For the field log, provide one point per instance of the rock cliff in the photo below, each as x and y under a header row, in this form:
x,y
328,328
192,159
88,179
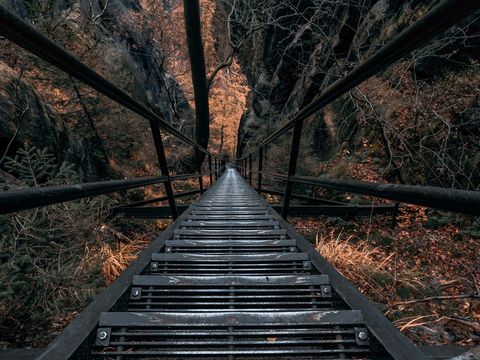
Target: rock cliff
x,y
46,108
294,49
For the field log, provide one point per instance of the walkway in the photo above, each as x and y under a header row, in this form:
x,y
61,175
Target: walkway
x,y
231,283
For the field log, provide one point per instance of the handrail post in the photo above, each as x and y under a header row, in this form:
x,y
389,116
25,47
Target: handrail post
x,y
250,168
216,170
162,162
210,168
260,169
292,166
199,170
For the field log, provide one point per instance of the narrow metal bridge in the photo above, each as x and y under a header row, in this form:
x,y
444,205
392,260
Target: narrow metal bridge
x,y
230,279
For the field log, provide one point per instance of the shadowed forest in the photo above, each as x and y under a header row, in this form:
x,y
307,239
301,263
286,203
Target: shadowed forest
x,y
418,123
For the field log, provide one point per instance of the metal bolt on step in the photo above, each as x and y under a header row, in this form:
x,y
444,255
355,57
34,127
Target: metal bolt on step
x,y
103,337
326,291
362,335
136,293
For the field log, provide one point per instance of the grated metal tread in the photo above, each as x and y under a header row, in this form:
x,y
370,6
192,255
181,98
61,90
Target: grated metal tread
x,y
230,246
230,284
213,224
209,264
329,334
222,233
232,293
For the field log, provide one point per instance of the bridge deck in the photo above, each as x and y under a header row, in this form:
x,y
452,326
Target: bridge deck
x,y
232,282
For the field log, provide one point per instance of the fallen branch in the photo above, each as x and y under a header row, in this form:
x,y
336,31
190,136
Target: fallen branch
x,y
445,297
471,324
413,322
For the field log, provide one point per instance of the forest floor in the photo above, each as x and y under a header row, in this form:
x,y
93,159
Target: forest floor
x,y
424,274
99,248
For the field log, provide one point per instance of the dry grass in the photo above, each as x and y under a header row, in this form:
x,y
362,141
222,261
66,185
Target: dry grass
x,y
424,278
116,259
58,259
374,271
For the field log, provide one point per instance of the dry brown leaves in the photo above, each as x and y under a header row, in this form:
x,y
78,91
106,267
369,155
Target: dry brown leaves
x,y
426,278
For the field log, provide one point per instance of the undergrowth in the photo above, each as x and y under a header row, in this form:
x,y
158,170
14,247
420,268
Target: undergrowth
x,y
372,269
54,259
423,275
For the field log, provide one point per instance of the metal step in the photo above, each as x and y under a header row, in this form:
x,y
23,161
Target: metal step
x,y
228,224
244,335
241,264
229,208
230,217
231,233
229,246
232,293
197,211
227,203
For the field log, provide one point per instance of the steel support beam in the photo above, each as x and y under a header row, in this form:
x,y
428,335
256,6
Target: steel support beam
x,y
162,162
210,169
292,166
158,199
260,169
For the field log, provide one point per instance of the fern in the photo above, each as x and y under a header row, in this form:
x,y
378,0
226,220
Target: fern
x,y
32,165
37,167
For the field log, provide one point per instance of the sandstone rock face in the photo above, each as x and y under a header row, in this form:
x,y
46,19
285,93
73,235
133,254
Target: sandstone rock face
x,y
112,40
25,118
299,48
153,85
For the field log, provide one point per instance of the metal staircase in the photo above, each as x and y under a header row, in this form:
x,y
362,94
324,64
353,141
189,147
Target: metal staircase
x,y
230,278
231,283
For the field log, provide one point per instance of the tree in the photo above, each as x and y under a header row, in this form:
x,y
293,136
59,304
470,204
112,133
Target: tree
x,y
199,77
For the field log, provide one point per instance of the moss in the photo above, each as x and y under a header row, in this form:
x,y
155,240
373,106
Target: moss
x,y
403,291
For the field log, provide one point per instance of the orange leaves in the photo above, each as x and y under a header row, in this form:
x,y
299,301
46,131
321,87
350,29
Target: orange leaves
x,y
432,294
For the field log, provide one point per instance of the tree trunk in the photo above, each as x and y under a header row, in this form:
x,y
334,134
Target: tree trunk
x,y
199,77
